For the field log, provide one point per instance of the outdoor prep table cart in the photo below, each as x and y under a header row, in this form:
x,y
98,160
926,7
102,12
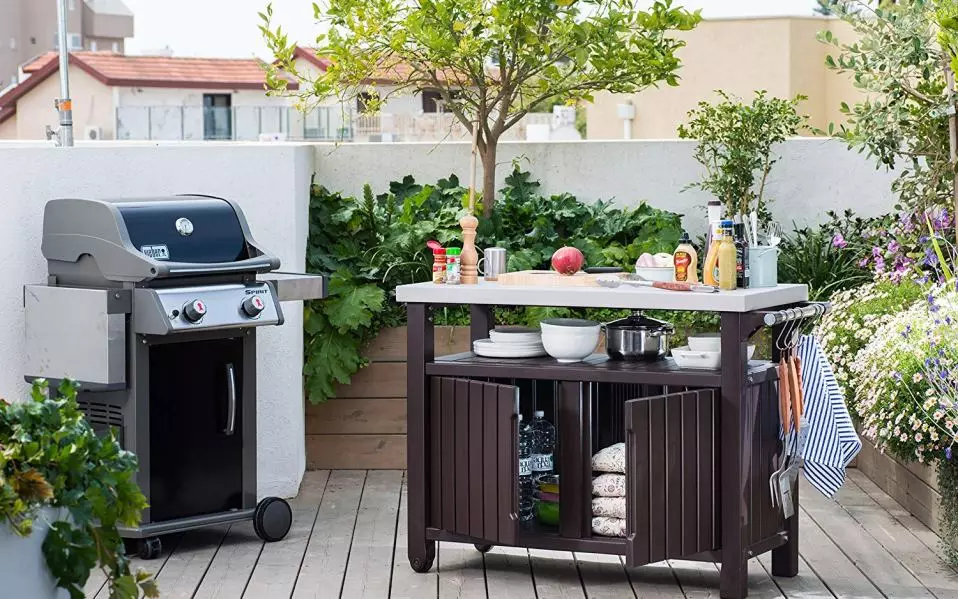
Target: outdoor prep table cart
x,y
700,444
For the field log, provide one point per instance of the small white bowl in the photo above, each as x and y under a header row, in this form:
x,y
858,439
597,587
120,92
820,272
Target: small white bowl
x,y
686,357
706,342
656,273
570,339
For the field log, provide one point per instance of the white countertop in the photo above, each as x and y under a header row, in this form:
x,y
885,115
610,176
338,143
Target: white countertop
x,y
633,298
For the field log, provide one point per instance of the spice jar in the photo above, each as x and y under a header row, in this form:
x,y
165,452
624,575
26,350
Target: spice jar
x,y
438,265
453,271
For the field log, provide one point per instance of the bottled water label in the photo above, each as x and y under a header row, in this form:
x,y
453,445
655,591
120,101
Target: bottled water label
x,y
525,467
542,462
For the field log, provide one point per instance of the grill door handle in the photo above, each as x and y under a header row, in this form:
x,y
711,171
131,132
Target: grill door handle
x,y
230,400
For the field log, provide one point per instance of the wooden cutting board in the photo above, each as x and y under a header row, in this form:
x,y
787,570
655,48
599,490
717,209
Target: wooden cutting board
x,y
548,278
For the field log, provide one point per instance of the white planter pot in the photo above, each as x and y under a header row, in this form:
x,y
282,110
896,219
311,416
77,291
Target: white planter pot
x,y
23,569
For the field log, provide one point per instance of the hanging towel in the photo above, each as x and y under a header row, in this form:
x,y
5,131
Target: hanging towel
x,y
832,442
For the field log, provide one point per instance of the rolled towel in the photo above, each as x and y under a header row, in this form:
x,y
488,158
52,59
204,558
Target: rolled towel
x,y
609,485
610,459
608,527
611,507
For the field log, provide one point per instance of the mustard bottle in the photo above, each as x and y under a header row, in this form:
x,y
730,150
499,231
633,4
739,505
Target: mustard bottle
x,y
710,269
727,259
686,261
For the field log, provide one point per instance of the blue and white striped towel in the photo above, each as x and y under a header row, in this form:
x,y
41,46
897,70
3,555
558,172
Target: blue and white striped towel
x,y
832,442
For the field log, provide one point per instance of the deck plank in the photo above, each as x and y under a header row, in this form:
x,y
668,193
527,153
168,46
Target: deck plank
x,y
406,583
807,585
760,583
370,565
698,580
885,572
830,564
555,574
509,573
233,564
187,564
324,563
153,566
603,576
654,581
923,563
461,572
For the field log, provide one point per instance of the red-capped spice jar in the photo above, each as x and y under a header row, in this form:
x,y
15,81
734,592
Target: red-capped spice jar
x,y
439,265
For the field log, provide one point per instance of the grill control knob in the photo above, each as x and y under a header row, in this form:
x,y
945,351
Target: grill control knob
x,y
253,306
193,311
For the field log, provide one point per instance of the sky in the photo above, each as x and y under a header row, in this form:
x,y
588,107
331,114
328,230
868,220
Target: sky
x,y
228,28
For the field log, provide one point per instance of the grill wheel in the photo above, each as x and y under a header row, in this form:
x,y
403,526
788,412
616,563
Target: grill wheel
x,y
272,519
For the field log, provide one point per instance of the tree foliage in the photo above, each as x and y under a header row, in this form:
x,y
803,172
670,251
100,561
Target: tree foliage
x,y
491,61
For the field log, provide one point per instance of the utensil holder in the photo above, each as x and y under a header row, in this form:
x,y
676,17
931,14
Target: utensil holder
x,y
763,266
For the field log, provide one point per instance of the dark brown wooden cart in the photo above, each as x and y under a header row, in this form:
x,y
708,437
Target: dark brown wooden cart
x,y
701,445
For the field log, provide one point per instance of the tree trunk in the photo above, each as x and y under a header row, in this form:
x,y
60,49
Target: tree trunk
x,y
488,178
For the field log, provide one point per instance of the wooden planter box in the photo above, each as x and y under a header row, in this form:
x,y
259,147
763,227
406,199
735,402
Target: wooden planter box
x,y
365,426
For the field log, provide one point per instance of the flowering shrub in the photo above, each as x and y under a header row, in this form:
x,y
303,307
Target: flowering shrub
x,y
902,246
855,318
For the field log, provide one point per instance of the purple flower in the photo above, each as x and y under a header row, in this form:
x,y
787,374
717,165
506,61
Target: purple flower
x,y
876,252
948,453
839,241
931,259
863,262
893,246
942,220
897,375
879,265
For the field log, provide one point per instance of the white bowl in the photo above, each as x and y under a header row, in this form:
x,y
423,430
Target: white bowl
x,y
570,339
656,273
685,357
706,342
515,334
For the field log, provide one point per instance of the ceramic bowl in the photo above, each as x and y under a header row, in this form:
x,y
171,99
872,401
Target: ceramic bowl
x,y
657,273
570,339
686,357
706,342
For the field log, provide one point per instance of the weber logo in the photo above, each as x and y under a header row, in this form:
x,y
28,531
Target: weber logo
x,y
157,252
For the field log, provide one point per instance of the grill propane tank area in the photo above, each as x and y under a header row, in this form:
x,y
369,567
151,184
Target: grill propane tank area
x,y
152,306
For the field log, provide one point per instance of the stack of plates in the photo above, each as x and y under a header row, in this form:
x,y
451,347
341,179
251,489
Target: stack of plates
x,y
510,342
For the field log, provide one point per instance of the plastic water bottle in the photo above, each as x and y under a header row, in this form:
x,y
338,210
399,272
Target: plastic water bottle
x,y
543,445
526,493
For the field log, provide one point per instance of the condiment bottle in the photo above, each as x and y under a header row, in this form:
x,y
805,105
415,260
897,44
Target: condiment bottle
x,y
741,257
714,210
710,271
453,273
439,265
686,260
726,258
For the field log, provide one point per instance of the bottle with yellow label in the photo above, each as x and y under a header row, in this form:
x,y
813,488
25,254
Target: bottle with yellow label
x,y
727,259
686,261
710,268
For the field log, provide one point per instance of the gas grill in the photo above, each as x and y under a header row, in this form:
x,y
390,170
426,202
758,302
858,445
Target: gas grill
x,y
152,306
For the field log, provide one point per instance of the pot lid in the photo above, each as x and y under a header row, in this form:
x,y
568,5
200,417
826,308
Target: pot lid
x,y
641,322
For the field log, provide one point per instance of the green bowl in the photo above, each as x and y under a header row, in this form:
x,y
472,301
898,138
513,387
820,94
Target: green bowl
x,y
548,512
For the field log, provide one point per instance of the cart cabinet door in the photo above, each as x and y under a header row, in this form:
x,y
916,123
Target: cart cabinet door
x,y
671,460
474,459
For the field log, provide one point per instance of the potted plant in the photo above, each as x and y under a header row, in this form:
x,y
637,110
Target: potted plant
x,y
64,490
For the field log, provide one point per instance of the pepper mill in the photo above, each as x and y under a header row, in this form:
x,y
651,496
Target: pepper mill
x,y
469,258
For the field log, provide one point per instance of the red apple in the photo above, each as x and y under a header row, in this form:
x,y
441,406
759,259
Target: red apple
x,y
567,260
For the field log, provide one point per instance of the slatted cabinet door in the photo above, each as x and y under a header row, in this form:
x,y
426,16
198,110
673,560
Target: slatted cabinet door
x,y
474,459
671,457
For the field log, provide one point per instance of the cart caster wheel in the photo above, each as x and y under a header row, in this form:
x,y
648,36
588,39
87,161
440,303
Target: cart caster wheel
x,y
483,548
272,519
420,565
149,548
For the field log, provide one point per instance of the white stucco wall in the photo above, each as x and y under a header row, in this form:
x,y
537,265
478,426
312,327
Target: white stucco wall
x,y
270,182
813,176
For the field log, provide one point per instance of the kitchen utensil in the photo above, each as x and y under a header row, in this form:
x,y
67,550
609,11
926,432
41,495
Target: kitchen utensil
x,y
638,281
495,263
763,266
774,233
638,337
753,221
801,434
706,342
548,278
601,270
570,339
780,495
656,273
489,349
686,357
515,334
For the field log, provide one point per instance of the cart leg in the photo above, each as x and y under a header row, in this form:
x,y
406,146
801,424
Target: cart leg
x,y
420,349
481,320
785,558
734,467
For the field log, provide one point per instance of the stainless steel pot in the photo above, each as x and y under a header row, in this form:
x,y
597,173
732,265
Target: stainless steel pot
x,y
638,337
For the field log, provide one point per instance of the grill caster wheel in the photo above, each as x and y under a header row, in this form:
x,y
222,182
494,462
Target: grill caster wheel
x,y
420,565
483,548
272,519
149,548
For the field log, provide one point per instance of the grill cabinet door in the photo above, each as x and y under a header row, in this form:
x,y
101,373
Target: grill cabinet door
x,y
474,459
671,461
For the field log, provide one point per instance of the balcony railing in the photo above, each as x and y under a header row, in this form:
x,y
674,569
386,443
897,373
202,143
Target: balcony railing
x,y
323,123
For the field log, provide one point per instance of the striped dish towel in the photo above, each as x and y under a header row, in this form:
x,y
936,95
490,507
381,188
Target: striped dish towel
x,y
832,442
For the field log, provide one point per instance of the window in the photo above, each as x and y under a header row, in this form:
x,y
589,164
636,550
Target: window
x,y
74,41
364,101
217,116
93,45
116,47
431,101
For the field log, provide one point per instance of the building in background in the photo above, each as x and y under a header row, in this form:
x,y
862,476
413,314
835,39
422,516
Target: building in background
x,y
28,28
739,56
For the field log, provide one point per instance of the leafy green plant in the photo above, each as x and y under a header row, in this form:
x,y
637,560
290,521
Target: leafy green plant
x,y
371,245
735,143
51,457
828,257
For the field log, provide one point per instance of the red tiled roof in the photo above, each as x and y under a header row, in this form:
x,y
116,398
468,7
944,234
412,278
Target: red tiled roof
x,y
145,71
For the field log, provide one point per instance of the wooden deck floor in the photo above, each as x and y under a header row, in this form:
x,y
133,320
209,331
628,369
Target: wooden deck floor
x,y
348,541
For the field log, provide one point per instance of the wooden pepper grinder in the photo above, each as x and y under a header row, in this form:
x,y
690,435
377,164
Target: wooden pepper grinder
x,y
469,259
